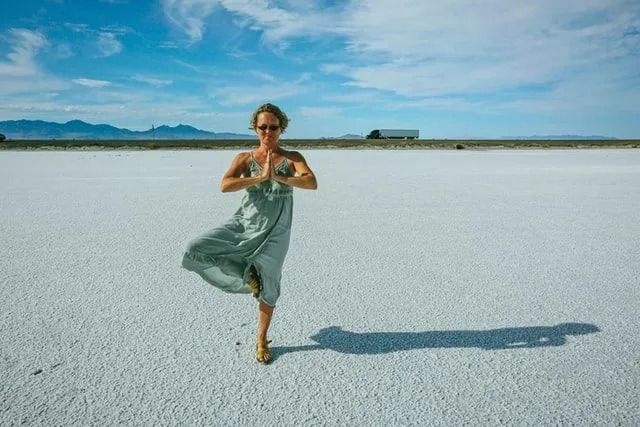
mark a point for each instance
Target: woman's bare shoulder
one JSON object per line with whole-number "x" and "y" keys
{"x": 294, "y": 156}
{"x": 242, "y": 157}
{"x": 239, "y": 163}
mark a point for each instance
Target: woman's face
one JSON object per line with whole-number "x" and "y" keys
{"x": 268, "y": 128}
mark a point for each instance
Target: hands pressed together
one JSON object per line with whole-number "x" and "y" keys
{"x": 233, "y": 180}
{"x": 269, "y": 171}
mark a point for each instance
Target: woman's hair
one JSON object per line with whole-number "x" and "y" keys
{"x": 273, "y": 109}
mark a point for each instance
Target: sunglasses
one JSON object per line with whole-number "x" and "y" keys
{"x": 272, "y": 128}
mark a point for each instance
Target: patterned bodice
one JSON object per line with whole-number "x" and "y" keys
{"x": 270, "y": 188}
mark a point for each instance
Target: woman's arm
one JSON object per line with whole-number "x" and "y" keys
{"x": 233, "y": 179}
{"x": 304, "y": 178}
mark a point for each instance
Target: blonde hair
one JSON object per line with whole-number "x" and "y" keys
{"x": 273, "y": 109}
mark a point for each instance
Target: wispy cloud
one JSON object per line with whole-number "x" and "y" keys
{"x": 318, "y": 112}
{"x": 104, "y": 41}
{"x": 108, "y": 44}
{"x": 303, "y": 78}
{"x": 25, "y": 44}
{"x": 334, "y": 68}
{"x": 235, "y": 95}
{"x": 240, "y": 54}
{"x": 117, "y": 29}
{"x": 20, "y": 73}
{"x": 189, "y": 15}
{"x": 168, "y": 45}
{"x": 152, "y": 81}
{"x": 278, "y": 24}
{"x": 263, "y": 76}
{"x": 440, "y": 48}
{"x": 77, "y": 28}
{"x": 196, "y": 68}
{"x": 91, "y": 83}
{"x": 63, "y": 51}
{"x": 450, "y": 48}
{"x": 353, "y": 97}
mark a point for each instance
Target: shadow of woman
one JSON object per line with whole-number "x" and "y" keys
{"x": 336, "y": 339}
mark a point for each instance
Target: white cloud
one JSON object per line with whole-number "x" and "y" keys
{"x": 239, "y": 54}
{"x": 277, "y": 24}
{"x": 196, "y": 68}
{"x": 318, "y": 112}
{"x": 118, "y": 30}
{"x": 352, "y": 97}
{"x": 91, "y": 83}
{"x": 303, "y": 78}
{"x": 263, "y": 76}
{"x": 25, "y": 44}
{"x": 152, "y": 81}
{"x": 38, "y": 84}
{"x": 334, "y": 68}
{"x": 168, "y": 45}
{"x": 21, "y": 73}
{"x": 272, "y": 88}
{"x": 104, "y": 41}
{"x": 108, "y": 44}
{"x": 608, "y": 90}
{"x": 189, "y": 15}
{"x": 449, "y": 48}
{"x": 77, "y": 28}
{"x": 253, "y": 94}
{"x": 63, "y": 51}
{"x": 440, "y": 48}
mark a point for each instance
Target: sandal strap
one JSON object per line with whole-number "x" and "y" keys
{"x": 263, "y": 352}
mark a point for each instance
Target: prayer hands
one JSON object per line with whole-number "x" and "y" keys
{"x": 268, "y": 170}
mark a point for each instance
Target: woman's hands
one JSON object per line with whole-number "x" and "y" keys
{"x": 268, "y": 171}
{"x": 234, "y": 179}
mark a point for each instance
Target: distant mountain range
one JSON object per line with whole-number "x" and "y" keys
{"x": 347, "y": 136}
{"x": 561, "y": 137}
{"x": 77, "y": 129}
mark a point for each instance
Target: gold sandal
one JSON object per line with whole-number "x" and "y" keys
{"x": 254, "y": 282}
{"x": 263, "y": 352}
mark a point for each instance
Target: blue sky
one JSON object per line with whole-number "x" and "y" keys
{"x": 449, "y": 68}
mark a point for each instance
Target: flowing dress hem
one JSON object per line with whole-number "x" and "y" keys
{"x": 198, "y": 263}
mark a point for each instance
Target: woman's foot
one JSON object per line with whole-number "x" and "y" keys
{"x": 263, "y": 352}
{"x": 254, "y": 282}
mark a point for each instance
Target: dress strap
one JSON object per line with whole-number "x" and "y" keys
{"x": 284, "y": 160}
{"x": 248, "y": 173}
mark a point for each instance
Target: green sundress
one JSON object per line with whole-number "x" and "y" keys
{"x": 257, "y": 234}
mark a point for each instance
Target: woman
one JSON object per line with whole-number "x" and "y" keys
{"x": 245, "y": 254}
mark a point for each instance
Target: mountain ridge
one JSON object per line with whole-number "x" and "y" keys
{"x": 561, "y": 137}
{"x": 78, "y": 129}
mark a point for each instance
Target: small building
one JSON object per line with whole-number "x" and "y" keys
{"x": 394, "y": 134}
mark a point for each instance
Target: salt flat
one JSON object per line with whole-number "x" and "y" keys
{"x": 421, "y": 287}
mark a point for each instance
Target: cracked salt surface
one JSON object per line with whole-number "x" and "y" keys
{"x": 421, "y": 287}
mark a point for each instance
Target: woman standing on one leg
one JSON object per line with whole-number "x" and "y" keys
{"x": 246, "y": 253}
